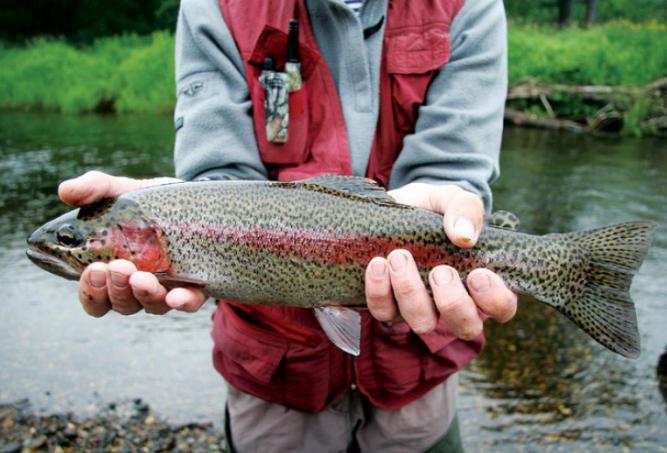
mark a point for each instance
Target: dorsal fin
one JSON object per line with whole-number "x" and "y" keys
{"x": 357, "y": 187}
{"x": 503, "y": 219}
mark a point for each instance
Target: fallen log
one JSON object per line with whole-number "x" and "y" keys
{"x": 634, "y": 110}
{"x": 519, "y": 118}
{"x": 533, "y": 89}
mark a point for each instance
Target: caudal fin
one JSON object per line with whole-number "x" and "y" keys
{"x": 604, "y": 308}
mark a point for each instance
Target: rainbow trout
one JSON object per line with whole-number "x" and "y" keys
{"x": 307, "y": 244}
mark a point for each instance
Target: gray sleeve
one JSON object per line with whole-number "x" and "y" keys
{"x": 215, "y": 136}
{"x": 459, "y": 127}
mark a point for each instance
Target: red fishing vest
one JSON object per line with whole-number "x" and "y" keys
{"x": 281, "y": 354}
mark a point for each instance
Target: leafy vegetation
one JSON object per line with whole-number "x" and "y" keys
{"x": 131, "y": 73}
{"x": 120, "y": 73}
{"x": 83, "y": 21}
{"x": 619, "y": 54}
{"x": 616, "y": 53}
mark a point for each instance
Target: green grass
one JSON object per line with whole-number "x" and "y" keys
{"x": 130, "y": 73}
{"x": 616, "y": 53}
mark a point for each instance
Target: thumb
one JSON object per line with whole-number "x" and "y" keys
{"x": 95, "y": 185}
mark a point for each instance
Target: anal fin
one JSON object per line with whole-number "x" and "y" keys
{"x": 342, "y": 326}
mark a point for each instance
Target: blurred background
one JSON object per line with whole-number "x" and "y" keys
{"x": 88, "y": 85}
{"x": 116, "y": 56}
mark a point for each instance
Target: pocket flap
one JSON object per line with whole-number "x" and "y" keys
{"x": 417, "y": 49}
{"x": 259, "y": 360}
{"x": 258, "y": 352}
{"x": 272, "y": 43}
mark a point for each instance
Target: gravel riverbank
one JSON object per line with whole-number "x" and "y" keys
{"x": 119, "y": 427}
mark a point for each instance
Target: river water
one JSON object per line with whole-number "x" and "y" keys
{"x": 540, "y": 384}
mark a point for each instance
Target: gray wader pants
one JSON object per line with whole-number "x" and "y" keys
{"x": 352, "y": 425}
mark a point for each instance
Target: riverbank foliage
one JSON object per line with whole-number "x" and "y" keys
{"x": 616, "y": 53}
{"x": 132, "y": 73}
{"x": 83, "y": 21}
{"x": 545, "y": 68}
{"x": 125, "y": 73}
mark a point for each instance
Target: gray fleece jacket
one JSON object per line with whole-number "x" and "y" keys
{"x": 458, "y": 131}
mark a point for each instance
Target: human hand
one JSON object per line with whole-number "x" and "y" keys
{"x": 118, "y": 285}
{"x": 395, "y": 290}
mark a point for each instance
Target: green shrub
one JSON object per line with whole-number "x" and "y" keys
{"x": 615, "y": 53}
{"x": 49, "y": 75}
{"x": 635, "y": 116}
{"x": 131, "y": 73}
{"x": 145, "y": 79}
{"x": 128, "y": 72}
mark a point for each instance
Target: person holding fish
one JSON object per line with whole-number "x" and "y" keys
{"x": 409, "y": 94}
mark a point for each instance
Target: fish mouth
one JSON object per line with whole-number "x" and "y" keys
{"x": 52, "y": 264}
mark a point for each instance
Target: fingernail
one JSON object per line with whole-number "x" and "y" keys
{"x": 378, "y": 268}
{"x": 98, "y": 279}
{"x": 464, "y": 229}
{"x": 442, "y": 276}
{"x": 118, "y": 280}
{"x": 480, "y": 283}
{"x": 398, "y": 261}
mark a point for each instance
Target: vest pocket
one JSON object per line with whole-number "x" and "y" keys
{"x": 413, "y": 58}
{"x": 270, "y": 366}
{"x": 393, "y": 345}
{"x": 306, "y": 377}
{"x": 294, "y": 151}
{"x": 246, "y": 351}
{"x": 272, "y": 43}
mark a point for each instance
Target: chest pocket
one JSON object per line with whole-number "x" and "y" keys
{"x": 272, "y": 43}
{"x": 413, "y": 57}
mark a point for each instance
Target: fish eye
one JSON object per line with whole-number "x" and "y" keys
{"x": 69, "y": 235}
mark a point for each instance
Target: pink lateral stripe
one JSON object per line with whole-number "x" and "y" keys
{"x": 330, "y": 247}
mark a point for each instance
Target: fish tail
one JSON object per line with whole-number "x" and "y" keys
{"x": 603, "y": 307}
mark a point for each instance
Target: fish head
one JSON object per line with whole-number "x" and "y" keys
{"x": 104, "y": 231}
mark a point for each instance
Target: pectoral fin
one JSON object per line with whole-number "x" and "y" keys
{"x": 342, "y": 326}
{"x": 179, "y": 281}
